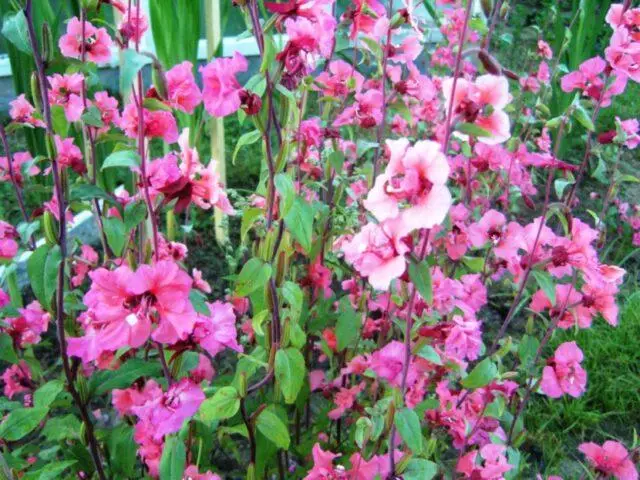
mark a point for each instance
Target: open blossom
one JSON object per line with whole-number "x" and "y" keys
{"x": 96, "y": 42}
{"x": 221, "y": 92}
{"x": 363, "y": 15}
{"x": 366, "y": 112}
{"x": 623, "y": 54}
{"x": 344, "y": 400}
{"x": 182, "y": 91}
{"x": 323, "y": 467}
{"x": 481, "y": 103}
{"x": 133, "y": 23}
{"x": 413, "y": 186}
{"x": 490, "y": 464}
{"x": 27, "y": 328}
{"x": 192, "y": 473}
{"x": 591, "y": 80}
{"x": 377, "y": 252}
{"x": 17, "y": 379}
{"x": 610, "y": 458}
{"x": 8, "y": 244}
{"x": 339, "y": 79}
{"x": 565, "y": 374}
{"x": 217, "y": 331}
{"x": 88, "y": 260}
{"x": 20, "y": 162}
{"x": 21, "y": 111}
{"x": 108, "y": 107}
{"x": 157, "y": 123}
{"x": 66, "y": 92}
{"x": 388, "y": 362}
{"x": 69, "y": 155}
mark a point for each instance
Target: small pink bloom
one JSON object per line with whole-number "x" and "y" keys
{"x": 192, "y": 473}
{"x": 610, "y": 459}
{"x": 29, "y": 326}
{"x": 69, "y": 155}
{"x": 217, "y": 331}
{"x": 203, "y": 371}
{"x": 21, "y": 161}
{"x": 199, "y": 282}
{"x": 97, "y": 42}
{"x": 182, "y": 91}
{"x": 133, "y": 24}
{"x": 544, "y": 50}
{"x": 221, "y": 93}
{"x": 108, "y": 107}
{"x": 8, "y": 244}
{"x": 344, "y": 400}
{"x": 157, "y": 123}
{"x": 323, "y": 468}
{"x": 565, "y": 374}
{"x": 17, "y": 379}
{"x": 22, "y": 111}
{"x": 66, "y": 92}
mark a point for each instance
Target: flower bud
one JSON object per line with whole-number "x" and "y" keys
{"x": 250, "y": 102}
{"x": 403, "y": 463}
{"x": 251, "y": 471}
{"x": 391, "y": 413}
{"x": 242, "y": 385}
{"x": 398, "y": 19}
{"x": 49, "y": 228}
{"x": 35, "y": 92}
{"x": 286, "y": 334}
{"x": 171, "y": 225}
{"x": 48, "y": 48}
{"x": 487, "y": 7}
{"x": 489, "y": 63}
{"x": 281, "y": 268}
{"x": 504, "y": 10}
{"x": 83, "y": 388}
{"x": 158, "y": 79}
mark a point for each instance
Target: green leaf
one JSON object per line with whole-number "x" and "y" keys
{"x": 51, "y": 471}
{"x": 59, "y": 119}
{"x": 631, "y": 312}
{"x": 408, "y": 424}
{"x": 287, "y": 191}
{"x": 35, "y": 271}
{"x": 348, "y": 325}
{"x": 472, "y": 129}
{"x": 364, "y": 428}
{"x": 7, "y": 353}
{"x": 61, "y": 428}
{"x": 225, "y": 403}
{"x": 122, "y": 158}
{"x": 51, "y": 273}
{"x": 583, "y": 118}
{"x": 428, "y": 352}
{"x": 249, "y": 217}
{"x": 173, "y": 460}
{"x": 270, "y": 425}
{"x": 106, "y": 380}
{"x": 116, "y": 234}
{"x": 420, "y": 275}
{"x": 248, "y": 138}
{"x": 420, "y": 469}
{"x": 292, "y": 293}
{"x": 21, "y": 422}
{"x": 83, "y": 191}
{"x": 134, "y": 214}
{"x": 153, "y": 104}
{"x": 290, "y": 372}
{"x": 198, "y": 300}
{"x": 132, "y": 63}
{"x": 92, "y": 117}
{"x": 15, "y": 30}
{"x": 47, "y": 393}
{"x": 527, "y": 349}
{"x": 299, "y": 222}
{"x": 254, "y": 275}
{"x": 481, "y": 375}
{"x": 546, "y": 283}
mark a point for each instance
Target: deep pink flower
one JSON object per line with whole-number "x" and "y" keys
{"x": 157, "y": 123}
{"x": 544, "y": 50}
{"x": 221, "y": 93}
{"x": 339, "y": 79}
{"x": 20, "y": 162}
{"x": 8, "y": 244}
{"x": 182, "y": 91}
{"x": 491, "y": 464}
{"x": 88, "y": 260}
{"x": 366, "y": 112}
{"x": 203, "y": 371}
{"x": 344, "y": 400}
{"x": 610, "y": 459}
{"x": 133, "y": 24}
{"x": 192, "y": 473}
{"x": 323, "y": 468}
{"x": 623, "y": 54}
{"x": 565, "y": 374}
{"x": 66, "y": 92}
{"x": 388, "y": 361}
{"x": 199, "y": 282}
{"x": 363, "y": 15}
{"x": 69, "y": 155}
{"x": 17, "y": 379}
{"x": 590, "y": 79}
{"x": 97, "y": 42}
{"x": 29, "y": 326}
{"x": 22, "y": 111}
{"x": 217, "y": 331}
{"x": 413, "y": 186}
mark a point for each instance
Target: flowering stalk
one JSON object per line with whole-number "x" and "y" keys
{"x": 62, "y": 243}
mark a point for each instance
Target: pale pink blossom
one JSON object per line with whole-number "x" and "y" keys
{"x": 182, "y": 91}
{"x": 21, "y": 111}
{"x": 97, "y": 42}
{"x": 610, "y": 458}
{"x": 565, "y": 374}
{"x": 217, "y": 331}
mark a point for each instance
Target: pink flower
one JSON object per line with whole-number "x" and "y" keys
{"x": 157, "y": 123}
{"x": 22, "y": 111}
{"x": 544, "y": 50}
{"x": 464, "y": 338}
{"x": 66, "y": 92}
{"x": 388, "y": 361}
{"x": 192, "y": 473}
{"x": 377, "y": 252}
{"x": 89, "y": 259}
{"x": 631, "y": 130}
{"x": 200, "y": 283}
{"x": 564, "y": 374}
{"x": 490, "y": 228}
{"x": 610, "y": 459}
{"x": 217, "y": 331}
{"x": 97, "y": 42}
{"x": 344, "y": 400}
{"x": 20, "y": 162}
{"x": 69, "y": 155}
{"x": 323, "y": 468}
{"x": 203, "y": 371}
{"x": 133, "y": 26}
{"x": 491, "y": 465}
{"x": 367, "y": 111}
{"x": 182, "y": 91}
{"x": 376, "y": 467}
{"x": 589, "y": 78}
{"x": 29, "y": 326}
{"x": 108, "y": 107}
{"x": 363, "y": 15}
{"x": 8, "y": 244}
{"x": 482, "y": 103}
{"x": 221, "y": 93}
{"x": 17, "y": 379}
{"x": 339, "y": 79}
{"x": 623, "y": 54}
{"x": 413, "y": 186}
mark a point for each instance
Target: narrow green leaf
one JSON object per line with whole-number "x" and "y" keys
{"x": 546, "y": 283}
{"x": 299, "y": 222}
{"x": 173, "y": 460}
{"x": 106, "y": 380}
{"x": 52, "y": 471}
{"x": 348, "y": 325}
{"x": 420, "y": 275}
{"x": 51, "y": 266}
{"x": 35, "y": 271}
{"x": 473, "y": 130}
{"x": 21, "y": 422}
{"x": 244, "y": 140}
{"x": 116, "y": 234}
{"x": 7, "y": 353}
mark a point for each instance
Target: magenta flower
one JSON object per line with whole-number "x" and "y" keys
{"x": 610, "y": 459}
{"x": 69, "y": 155}
{"x": 564, "y": 374}
{"x": 322, "y": 464}
{"x": 591, "y": 80}
{"x": 192, "y": 473}
{"x": 182, "y": 91}
{"x": 221, "y": 93}
{"x": 217, "y": 331}
{"x": 344, "y": 400}
{"x": 108, "y": 107}
{"x": 17, "y": 379}
{"x": 20, "y": 162}
{"x": 8, "y": 244}
{"x": 97, "y": 42}
{"x": 157, "y": 123}
{"x": 29, "y": 326}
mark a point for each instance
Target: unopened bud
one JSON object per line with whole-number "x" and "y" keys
{"x": 83, "y": 388}
{"x": 391, "y": 413}
{"x": 489, "y": 63}
{"x": 158, "y": 79}
{"x": 404, "y": 462}
{"x": 286, "y": 334}
{"x": 251, "y": 471}
{"x": 49, "y": 228}
{"x": 48, "y": 49}
{"x": 250, "y": 102}
{"x": 504, "y": 10}
{"x": 281, "y": 268}
{"x": 242, "y": 385}
{"x": 35, "y": 92}
{"x": 487, "y": 7}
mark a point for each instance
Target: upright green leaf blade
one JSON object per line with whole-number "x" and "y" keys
{"x": 408, "y": 424}
{"x": 290, "y": 372}
{"x": 174, "y": 459}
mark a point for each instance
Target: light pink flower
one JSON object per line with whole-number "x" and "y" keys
{"x": 590, "y": 79}
{"x": 29, "y": 326}
{"x": 20, "y": 162}
{"x": 133, "y": 24}
{"x": 217, "y": 331}
{"x": 69, "y": 155}
{"x": 8, "y": 244}
{"x": 21, "y": 111}
{"x": 182, "y": 91}
{"x": 344, "y": 400}
{"x": 388, "y": 362}
{"x": 610, "y": 459}
{"x": 66, "y": 92}
{"x": 97, "y": 42}
{"x": 623, "y": 54}
{"x": 413, "y": 186}
{"x": 482, "y": 103}
{"x": 565, "y": 374}
{"x": 108, "y": 107}
{"x": 221, "y": 93}
{"x": 192, "y": 473}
